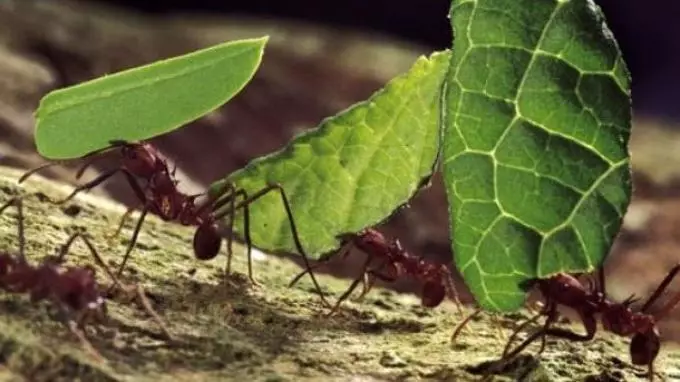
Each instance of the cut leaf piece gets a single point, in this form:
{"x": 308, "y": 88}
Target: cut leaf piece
{"x": 143, "y": 102}
{"x": 535, "y": 154}
{"x": 355, "y": 169}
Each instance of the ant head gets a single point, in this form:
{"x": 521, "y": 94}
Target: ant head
{"x": 78, "y": 289}
{"x": 433, "y": 294}
{"x": 207, "y": 241}
{"x": 163, "y": 183}
{"x": 644, "y": 347}
{"x": 371, "y": 241}
{"x": 140, "y": 159}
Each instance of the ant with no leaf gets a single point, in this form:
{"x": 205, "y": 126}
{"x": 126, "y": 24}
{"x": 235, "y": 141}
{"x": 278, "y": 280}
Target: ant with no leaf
{"x": 73, "y": 289}
{"x": 565, "y": 290}
{"x": 394, "y": 263}
{"x": 160, "y": 196}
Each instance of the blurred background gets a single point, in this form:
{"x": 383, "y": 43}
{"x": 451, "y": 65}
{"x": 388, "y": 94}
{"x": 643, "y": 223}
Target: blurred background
{"x": 323, "y": 57}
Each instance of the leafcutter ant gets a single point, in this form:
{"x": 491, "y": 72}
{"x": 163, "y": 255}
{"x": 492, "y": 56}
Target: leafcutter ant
{"x": 393, "y": 263}
{"x": 590, "y": 303}
{"x": 73, "y": 289}
{"x": 155, "y": 187}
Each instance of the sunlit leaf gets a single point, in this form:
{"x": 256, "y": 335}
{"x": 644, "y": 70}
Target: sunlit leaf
{"x": 355, "y": 169}
{"x": 143, "y": 102}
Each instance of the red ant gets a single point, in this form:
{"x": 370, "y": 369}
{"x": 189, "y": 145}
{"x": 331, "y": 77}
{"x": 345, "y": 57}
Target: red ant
{"x": 395, "y": 263}
{"x": 618, "y": 318}
{"x": 73, "y": 289}
{"x": 160, "y": 196}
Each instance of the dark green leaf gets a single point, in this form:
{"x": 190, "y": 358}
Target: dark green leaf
{"x": 535, "y": 158}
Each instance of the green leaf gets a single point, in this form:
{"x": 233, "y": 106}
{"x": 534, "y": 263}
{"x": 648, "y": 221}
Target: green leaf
{"x": 143, "y": 102}
{"x": 535, "y": 158}
{"x": 355, "y": 168}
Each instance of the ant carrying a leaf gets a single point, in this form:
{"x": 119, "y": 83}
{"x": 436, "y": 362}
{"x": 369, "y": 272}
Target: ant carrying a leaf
{"x": 155, "y": 187}
{"x": 393, "y": 263}
{"x": 591, "y": 303}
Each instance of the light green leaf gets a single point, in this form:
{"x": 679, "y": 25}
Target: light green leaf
{"x": 355, "y": 169}
{"x": 535, "y": 158}
{"x": 143, "y": 102}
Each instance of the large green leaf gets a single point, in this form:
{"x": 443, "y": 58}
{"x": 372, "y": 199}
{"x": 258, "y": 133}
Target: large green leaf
{"x": 355, "y": 169}
{"x": 143, "y": 102}
{"x": 535, "y": 156}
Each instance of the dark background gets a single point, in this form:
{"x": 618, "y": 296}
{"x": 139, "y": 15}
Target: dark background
{"x": 646, "y": 30}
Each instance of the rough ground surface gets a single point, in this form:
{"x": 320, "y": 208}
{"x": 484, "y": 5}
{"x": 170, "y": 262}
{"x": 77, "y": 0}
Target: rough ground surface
{"x": 235, "y": 331}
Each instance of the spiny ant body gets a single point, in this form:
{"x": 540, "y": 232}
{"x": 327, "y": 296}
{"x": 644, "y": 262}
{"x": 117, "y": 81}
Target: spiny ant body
{"x": 73, "y": 289}
{"x": 617, "y": 317}
{"x": 155, "y": 186}
{"x": 393, "y": 263}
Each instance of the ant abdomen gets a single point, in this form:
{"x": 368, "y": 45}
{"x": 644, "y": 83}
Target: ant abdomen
{"x": 644, "y": 347}
{"x": 433, "y": 294}
{"x": 207, "y": 242}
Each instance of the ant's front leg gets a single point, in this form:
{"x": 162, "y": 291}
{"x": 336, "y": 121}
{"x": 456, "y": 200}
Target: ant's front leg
{"x": 76, "y": 327}
{"x": 369, "y": 278}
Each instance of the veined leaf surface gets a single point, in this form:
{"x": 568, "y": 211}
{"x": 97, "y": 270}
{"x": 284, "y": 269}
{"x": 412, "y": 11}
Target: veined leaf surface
{"x": 535, "y": 155}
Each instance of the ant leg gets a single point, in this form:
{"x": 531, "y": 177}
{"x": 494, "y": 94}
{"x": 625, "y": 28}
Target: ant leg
{"x": 343, "y": 252}
{"x": 91, "y": 160}
{"x": 589, "y": 323}
{"x": 451, "y": 290}
{"x": 459, "y": 328}
{"x": 352, "y": 287}
{"x": 19, "y": 204}
{"x": 369, "y": 278}
{"x": 227, "y": 193}
{"x": 514, "y": 334}
{"x": 603, "y": 285}
{"x": 137, "y": 290}
{"x": 133, "y": 240}
{"x": 121, "y": 223}
{"x": 80, "y": 334}
{"x": 32, "y": 171}
{"x": 230, "y": 249}
{"x": 670, "y": 305}
{"x": 660, "y": 289}
{"x": 293, "y": 227}
{"x": 90, "y": 185}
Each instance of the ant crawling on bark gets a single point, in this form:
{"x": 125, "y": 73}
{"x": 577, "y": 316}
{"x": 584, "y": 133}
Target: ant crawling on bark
{"x": 394, "y": 263}
{"x": 158, "y": 194}
{"x": 73, "y": 289}
{"x": 565, "y": 290}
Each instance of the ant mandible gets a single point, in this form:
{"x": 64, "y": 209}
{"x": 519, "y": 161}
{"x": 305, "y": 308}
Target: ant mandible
{"x": 616, "y": 317}
{"x": 394, "y": 263}
{"x": 73, "y": 289}
{"x": 160, "y": 196}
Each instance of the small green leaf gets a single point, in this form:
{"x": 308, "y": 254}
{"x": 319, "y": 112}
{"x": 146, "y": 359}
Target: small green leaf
{"x": 355, "y": 168}
{"x": 143, "y": 102}
{"x": 535, "y": 158}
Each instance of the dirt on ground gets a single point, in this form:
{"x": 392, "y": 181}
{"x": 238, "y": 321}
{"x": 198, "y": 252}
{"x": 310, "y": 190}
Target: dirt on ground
{"x": 228, "y": 329}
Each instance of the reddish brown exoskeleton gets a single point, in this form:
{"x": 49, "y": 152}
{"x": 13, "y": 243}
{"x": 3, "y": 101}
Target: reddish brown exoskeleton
{"x": 73, "y": 289}
{"x": 590, "y": 303}
{"x": 155, "y": 187}
{"x": 387, "y": 260}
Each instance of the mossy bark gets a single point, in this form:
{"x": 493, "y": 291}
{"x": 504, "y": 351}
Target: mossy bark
{"x": 234, "y": 331}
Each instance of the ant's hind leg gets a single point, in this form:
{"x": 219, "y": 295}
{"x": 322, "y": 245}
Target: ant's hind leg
{"x": 293, "y": 228}
{"x": 86, "y": 344}
{"x": 135, "y": 292}
{"x": 19, "y": 204}
{"x": 459, "y": 328}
